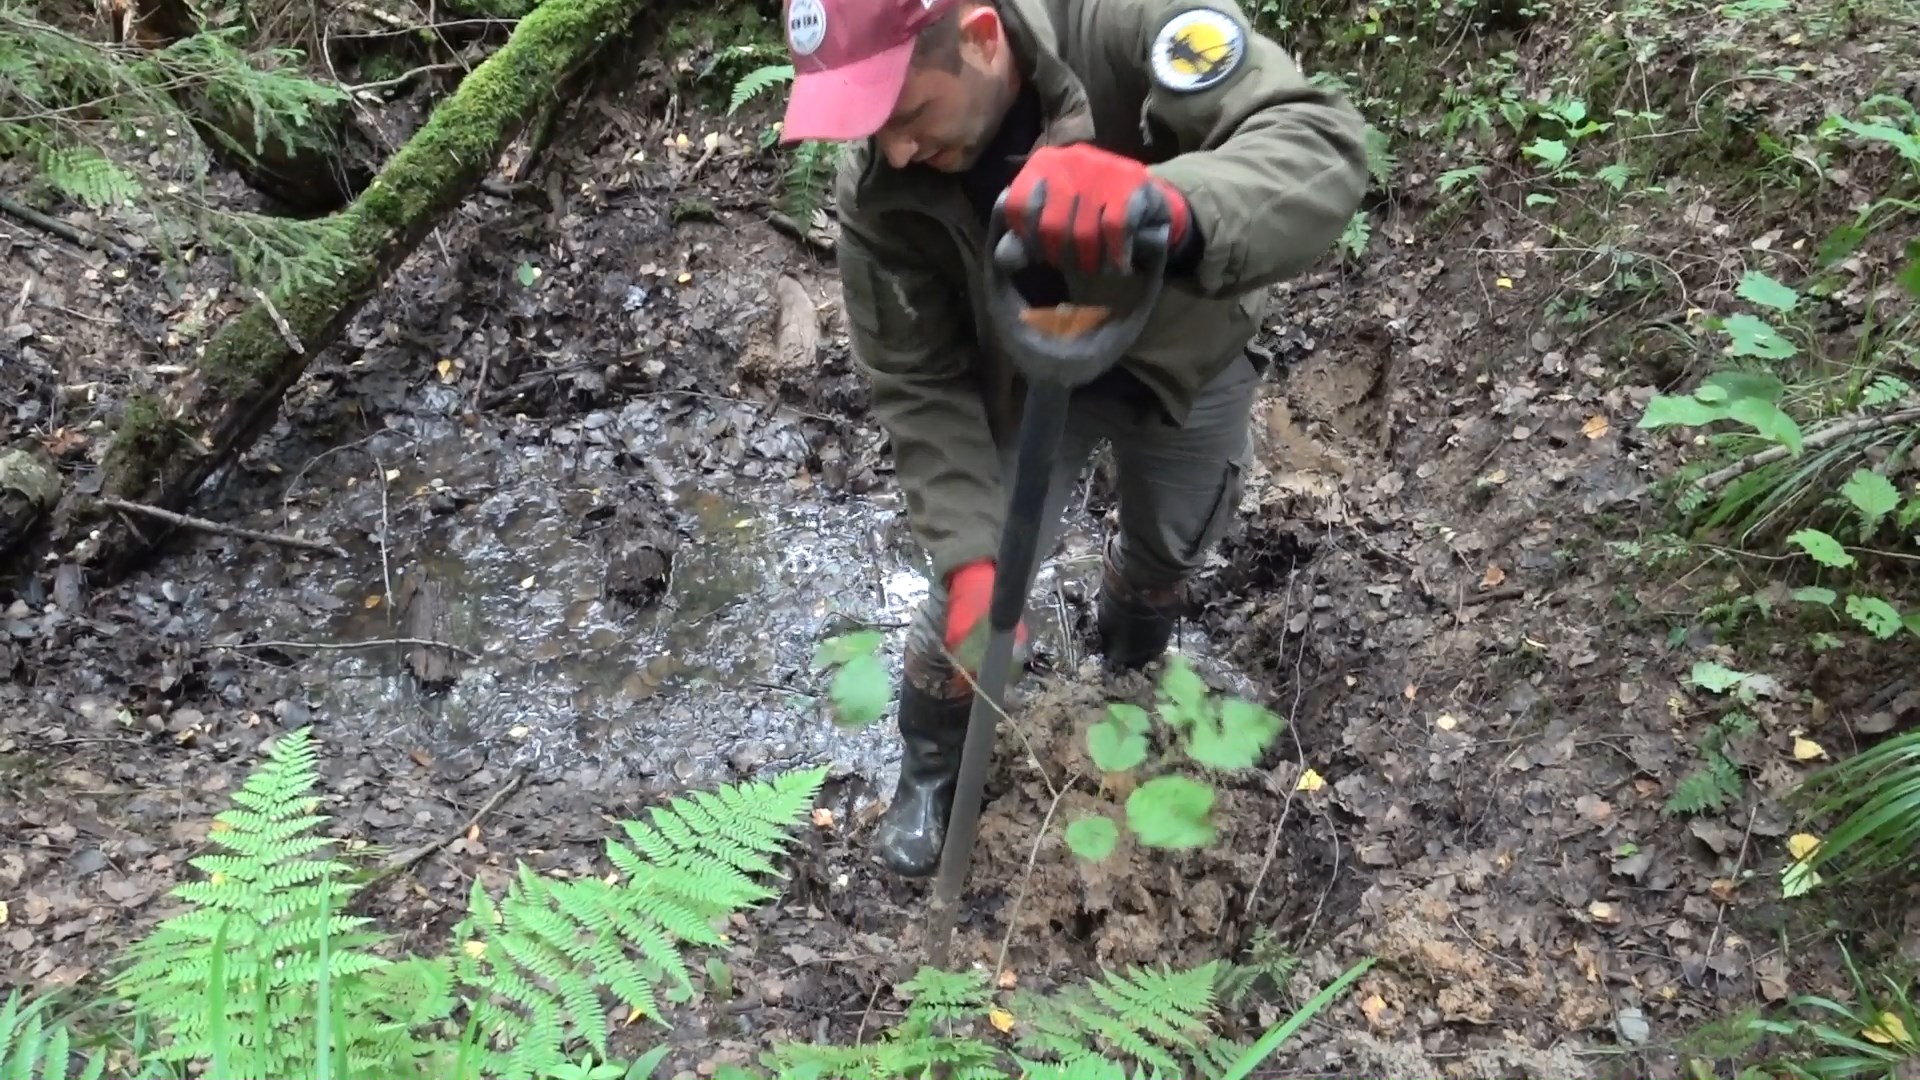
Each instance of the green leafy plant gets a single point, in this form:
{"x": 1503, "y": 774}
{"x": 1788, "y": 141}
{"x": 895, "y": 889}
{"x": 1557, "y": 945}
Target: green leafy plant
{"x": 860, "y": 689}
{"x": 1871, "y": 1037}
{"x": 82, "y": 114}
{"x": 1221, "y": 734}
{"x": 266, "y": 974}
{"x": 1717, "y": 783}
{"x": 531, "y": 969}
{"x": 810, "y": 164}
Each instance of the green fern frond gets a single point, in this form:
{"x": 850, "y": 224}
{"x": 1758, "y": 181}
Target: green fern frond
{"x": 30, "y": 1048}
{"x": 1147, "y": 1015}
{"x": 807, "y": 178}
{"x": 756, "y": 82}
{"x": 264, "y": 909}
{"x": 541, "y": 957}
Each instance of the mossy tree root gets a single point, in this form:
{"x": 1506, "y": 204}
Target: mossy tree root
{"x": 164, "y": 450}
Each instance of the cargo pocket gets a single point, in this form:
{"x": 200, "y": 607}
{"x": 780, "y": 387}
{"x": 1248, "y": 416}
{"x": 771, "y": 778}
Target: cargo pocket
{"x": 1219, "y": 514}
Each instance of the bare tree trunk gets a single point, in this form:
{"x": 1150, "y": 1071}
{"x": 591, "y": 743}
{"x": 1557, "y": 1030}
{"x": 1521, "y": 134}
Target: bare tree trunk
{"x": 164, "y": 449}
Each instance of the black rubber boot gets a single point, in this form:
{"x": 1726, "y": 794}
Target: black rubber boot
{"x": 1134, "y": 624}
{"x": 933, "y": 731}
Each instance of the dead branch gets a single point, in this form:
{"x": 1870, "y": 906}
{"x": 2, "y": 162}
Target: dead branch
{"x": 203, "y": 525}
{"x": 1833, "y": 432}
{"x": 340, "y": 646}
{"x": 29, "y": 216}
{"x": 403, "y": 860}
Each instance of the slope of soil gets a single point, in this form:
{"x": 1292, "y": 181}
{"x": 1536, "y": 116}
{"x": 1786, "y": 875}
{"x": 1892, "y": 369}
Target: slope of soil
{"x": 544, "y": 443}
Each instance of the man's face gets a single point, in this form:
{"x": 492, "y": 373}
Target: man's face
{"x": 944, "y": 119}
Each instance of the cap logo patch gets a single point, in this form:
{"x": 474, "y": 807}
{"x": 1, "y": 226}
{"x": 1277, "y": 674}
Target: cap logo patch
{"x": 806, "y": 26}
{"x": 1197, "y": 49}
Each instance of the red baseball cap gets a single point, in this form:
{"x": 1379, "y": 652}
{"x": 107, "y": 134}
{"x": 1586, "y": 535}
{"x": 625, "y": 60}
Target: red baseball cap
{"x": 850, "y": 60}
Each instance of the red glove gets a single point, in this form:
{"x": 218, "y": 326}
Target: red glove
{"x": 969, "y": 595}
{"x": 1093, "y": 198}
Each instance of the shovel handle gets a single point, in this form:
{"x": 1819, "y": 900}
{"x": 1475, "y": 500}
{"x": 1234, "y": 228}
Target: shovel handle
{"x": 1057, "y": 345}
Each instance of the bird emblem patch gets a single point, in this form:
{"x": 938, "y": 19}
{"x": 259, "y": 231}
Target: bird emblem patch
{"x": 1196, "y": 49}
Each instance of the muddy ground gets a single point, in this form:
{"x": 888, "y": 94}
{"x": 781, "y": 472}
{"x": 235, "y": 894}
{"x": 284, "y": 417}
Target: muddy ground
{"x": 565, "y": 441}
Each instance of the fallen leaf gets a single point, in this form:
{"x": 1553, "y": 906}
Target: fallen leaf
{"x": 445, "y": 367}
{"x": 475, "y": 949}
{"x": 4, "y": 913}
{"x": 1805, "y": 749}
{"x": 1492, "y": 577}
{"x": 1723, "y": 889}
{"x": 1889, "y": 1030}
{"x": 1411, "y": 691}
{"x": 527, "y": 582}
{"x": 1604, "y": 913}
{"x": 1596, "y": 427}
{"x": 822, "y": 817}
{"x": 1375, "y": 1007}
{"x": 371, "y": 602}
{"x": 519, "y": 731}
{"x": 1504, "y": 283}
{"x": 1007, "y": 980}
{"x": 1310, "y": 781}
{"x": 1802, "y": 845}
{"x": 1001, "y": 1019}
{"x": 684, "y": 278}
{"x": 1446, "y": 722}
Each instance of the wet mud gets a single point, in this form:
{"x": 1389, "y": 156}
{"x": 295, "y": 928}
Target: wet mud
{"x": 597, "y": 524}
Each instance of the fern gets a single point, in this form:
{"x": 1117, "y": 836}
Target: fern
{"x": 939, "y": 1003}
{"x": 807, "y": 178}
{"x": 1717, "y": 783}
{"x": 541, "y": 957}
{"x": 1142, "y": 1014}
{"x": 267, "y": 902}
{"x": 1884, "y": 390}
{"x": 31, "y": 1047}
{"x": 756, "y": 82}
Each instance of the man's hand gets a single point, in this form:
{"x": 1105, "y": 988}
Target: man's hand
{"x": 969, "y": 595}
{"x": 1093, "y": 199}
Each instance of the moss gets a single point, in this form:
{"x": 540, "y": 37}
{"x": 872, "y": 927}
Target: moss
{"x": 144, "y": 441}
{"x": 423, "y": 181}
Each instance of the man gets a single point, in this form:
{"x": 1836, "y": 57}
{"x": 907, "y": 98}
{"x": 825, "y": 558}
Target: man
{"x": 1094, "y": 118}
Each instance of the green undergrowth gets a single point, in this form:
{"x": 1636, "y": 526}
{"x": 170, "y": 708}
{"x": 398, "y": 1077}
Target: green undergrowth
{"x": 273, "y": 970}
{"x": 102, "y": 127}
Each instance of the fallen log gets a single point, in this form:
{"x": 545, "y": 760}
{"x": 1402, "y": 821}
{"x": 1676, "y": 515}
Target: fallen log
{"x": 165, "y": 448}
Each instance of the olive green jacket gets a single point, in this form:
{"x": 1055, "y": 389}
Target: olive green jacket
{"x": 1272, "y": 166}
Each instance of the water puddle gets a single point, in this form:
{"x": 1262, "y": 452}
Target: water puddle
{"x": 711, "y": 680}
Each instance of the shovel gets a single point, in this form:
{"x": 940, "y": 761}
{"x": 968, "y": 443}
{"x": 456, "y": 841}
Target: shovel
{"x": 1055, "y": 350}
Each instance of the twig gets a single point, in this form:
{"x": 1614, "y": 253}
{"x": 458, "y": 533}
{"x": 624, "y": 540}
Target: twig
{"x": 1740, "y": 861}
{"x": 280, "y": 323}
{"x": 1026, "y": 876}
{"x": 370, "y": 643}
{"x": 1720, "y": 478}
{"x": 204, "y": 525}
{"x": 1273, "y": 838}
{"x": 515, "y": 389}
{"x": 402, "y": 860}
{"x": 28, "y": 215}
{"x": 386, "y": 566}
{"x": 402, "y": 78}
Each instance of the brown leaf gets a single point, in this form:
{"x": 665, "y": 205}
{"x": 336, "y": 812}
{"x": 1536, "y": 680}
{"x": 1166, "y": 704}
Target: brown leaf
{"x": 1595, "y": 427}
{"x": 1493, "y": 577}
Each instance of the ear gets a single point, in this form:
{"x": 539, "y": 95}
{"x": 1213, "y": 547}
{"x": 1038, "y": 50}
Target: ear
{"x": 981, "y": 32}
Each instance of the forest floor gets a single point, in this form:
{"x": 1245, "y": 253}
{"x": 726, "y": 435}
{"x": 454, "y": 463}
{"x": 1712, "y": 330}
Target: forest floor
{"x": 564, "y": 439}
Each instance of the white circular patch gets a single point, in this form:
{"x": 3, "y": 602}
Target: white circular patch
{"x": 1197, "y": 49}
{"x": 806, "y": 26}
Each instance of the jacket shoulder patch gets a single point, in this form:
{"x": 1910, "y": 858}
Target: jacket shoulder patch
{"x": 1197, "y": 49}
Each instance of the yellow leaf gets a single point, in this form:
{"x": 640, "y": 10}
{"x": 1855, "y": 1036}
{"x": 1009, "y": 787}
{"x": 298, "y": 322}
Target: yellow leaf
{"x": 1446, "y": 722}
{"x": 1805, "y": 749}
{"x": 1505, "y": 282}
{"x": 1001, "y": 1019}
{"x": 1889, "y": 1030}
{"x": 371, "y": 602}
{"x": 1375, "y": 1008}
{"x": 684, "y": 278}
{"x": 1802, "y": 845}
{"x": 392, "y": 475}
{"x": 527, "y": 582}
{"x": 475, "y": 949}
{"x": 1595, "y": 427}
{"x": 3, "y": 913}
{"x": 445, "y": 367}
{"x": 218, "y": 878}
{"x": 1310, "y": 781}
